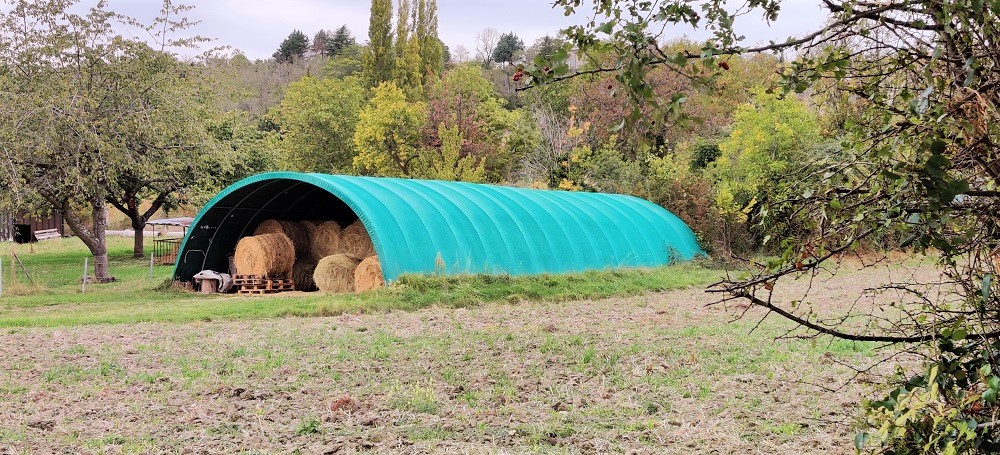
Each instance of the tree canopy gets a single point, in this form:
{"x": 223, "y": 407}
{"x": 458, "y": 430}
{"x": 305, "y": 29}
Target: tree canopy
{"x": 341, "y": 40}
{"x": 388, "y": 133}
{"x": 295, "y": 46}
{"x": 508, "y": 48}
{"x": 121, "y": 122}
{"x": 317, "y": 118}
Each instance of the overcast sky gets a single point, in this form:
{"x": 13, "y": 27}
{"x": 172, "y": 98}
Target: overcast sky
{"x": 256, "y": 27}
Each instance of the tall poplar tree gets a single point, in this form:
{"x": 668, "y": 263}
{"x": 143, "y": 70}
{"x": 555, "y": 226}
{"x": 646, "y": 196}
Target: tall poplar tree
{"x": 402, "y": 36}
{"x": 431, "y": 47}
{"x": 408, "y": 68}
{"x": 377, "y": 66}
{"x": 420, "y": 21}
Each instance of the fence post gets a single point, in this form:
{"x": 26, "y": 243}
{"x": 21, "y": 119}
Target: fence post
{"x": 151, "y": 266}
{"x": 83, "y": 281}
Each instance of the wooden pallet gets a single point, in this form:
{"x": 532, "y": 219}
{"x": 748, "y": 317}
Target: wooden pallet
{"x": 254, "y": 284}
{"x": 240, "y": 280}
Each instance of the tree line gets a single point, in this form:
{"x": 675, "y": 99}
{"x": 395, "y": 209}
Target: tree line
{"x": 175, "y": 131}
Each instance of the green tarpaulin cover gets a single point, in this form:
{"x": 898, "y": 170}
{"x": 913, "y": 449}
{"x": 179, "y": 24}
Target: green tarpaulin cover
{"x": 430, "y": 226}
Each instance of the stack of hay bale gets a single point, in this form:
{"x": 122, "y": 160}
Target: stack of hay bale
{"x": 346, "y": 259}
{"x": 316, "y": 255}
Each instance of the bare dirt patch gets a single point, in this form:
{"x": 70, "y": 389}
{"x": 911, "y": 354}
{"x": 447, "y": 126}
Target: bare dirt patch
{"x": 660, "y": 373}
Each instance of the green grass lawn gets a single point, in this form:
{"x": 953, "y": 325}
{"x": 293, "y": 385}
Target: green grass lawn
{"x": 140, "y": 296}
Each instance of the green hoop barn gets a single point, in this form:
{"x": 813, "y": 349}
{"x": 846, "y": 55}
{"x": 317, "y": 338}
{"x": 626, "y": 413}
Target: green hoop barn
{"x": 430, "y": 226}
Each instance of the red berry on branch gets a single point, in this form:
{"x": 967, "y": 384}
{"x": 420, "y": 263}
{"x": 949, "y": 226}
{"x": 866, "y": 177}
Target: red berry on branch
{"x": 724, "y": 65}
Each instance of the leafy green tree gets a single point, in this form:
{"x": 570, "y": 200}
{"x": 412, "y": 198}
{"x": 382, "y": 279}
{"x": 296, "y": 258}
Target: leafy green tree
{"x": 402, "y": 31}
{"x": 703, "y": 154}
{"x": 162, "y": 153}
{"x": 236, "y": 83}
{"x": 318, "y": 118}
{"x": 419, "y": 25}
{"x": 507, "y": 48}
{"x": 770, "y": 138}
{"x": 545, "y": 47}
{"x": 347, "y": 62}
{"x": 603, "y": 169}
{"x": 445, "y": 54}
{"x": 339, "y": 42}
{"x": 447, "y": 162}
{"x": 378, "y": 62}
{"x": 120, "y": 121}
{"x": 294, "y": 47}
{"x": 388, "y": 133}
{"x": 246, "y": 150}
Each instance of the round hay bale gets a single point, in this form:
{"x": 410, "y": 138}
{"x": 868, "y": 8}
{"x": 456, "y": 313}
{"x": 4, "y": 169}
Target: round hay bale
{"x": 302, "y": 273}
{"x": 326, "y": 240}
{"x": 335, "y": 273}
{"x": 310, "y": 228}
{"x": 368, "y": 275}
{"x": 354, "y": 240}
{"x": 265, "y": 254}
{"x": 294, "y": 231}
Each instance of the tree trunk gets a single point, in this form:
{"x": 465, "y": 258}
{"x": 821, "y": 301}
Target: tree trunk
{"x": 100, "y": 250}
{"x": 139, "y": 226}
{"x": 94, "y": 236}
{"x": 129, "y": 205}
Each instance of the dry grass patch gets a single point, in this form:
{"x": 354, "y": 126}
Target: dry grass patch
{"x": 656, "y": 373}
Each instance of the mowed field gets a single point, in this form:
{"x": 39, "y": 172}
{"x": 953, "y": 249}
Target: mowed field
{"x": 545, "y": 368}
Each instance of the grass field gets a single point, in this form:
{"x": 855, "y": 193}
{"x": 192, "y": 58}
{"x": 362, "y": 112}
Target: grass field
{"x": 594, "y": 363}
{"x": 139, "y": 296}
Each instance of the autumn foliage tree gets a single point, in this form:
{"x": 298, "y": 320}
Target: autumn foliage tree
{"x": 387, "y": 137}
{"x": 771, "y": 137}
{"x": 447, "y": 162}
{"x": 464, "y": 99}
